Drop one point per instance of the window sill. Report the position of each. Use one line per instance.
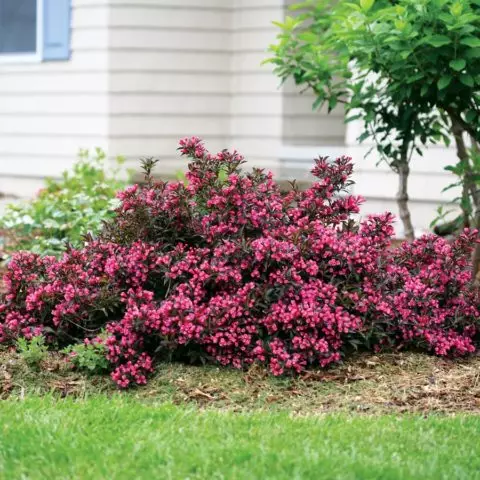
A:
(15, 58)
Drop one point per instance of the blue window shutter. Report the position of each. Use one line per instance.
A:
(56, 29)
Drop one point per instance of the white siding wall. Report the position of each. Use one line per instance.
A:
(168, 76)
(256, 100)
(193, 68)
(49, 110)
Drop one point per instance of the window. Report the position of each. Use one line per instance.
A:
(34, 30)
(20, 29)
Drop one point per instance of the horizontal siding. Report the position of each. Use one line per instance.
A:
(50, 104)
(31, 145)
(162, 39)
(86, 18)
(55, 124)
(87, 61)
(57, 82)
(248, 62)
(145, 73)
(249, 18)
(168, 19)
(184, 61)
(169, 104)
(320, 128)
(257, 103)
(168, 77)
(162, 125)
(257, 39)
(86, 39)
(423, 187)
(172, 82)
(259, 82)
(40, 165)
(218, 5)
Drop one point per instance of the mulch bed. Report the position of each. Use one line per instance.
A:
(367, 384)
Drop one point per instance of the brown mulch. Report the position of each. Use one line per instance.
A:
(367, 384)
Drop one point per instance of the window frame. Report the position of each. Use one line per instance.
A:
(30, 57)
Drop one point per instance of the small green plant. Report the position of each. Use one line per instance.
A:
(90, 357)
(65, 210)
(32, 351)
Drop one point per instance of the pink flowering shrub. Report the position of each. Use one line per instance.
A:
(427, 300)
(228, 268)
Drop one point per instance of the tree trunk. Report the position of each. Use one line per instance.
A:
(402, 201)
(469, 187)
(462, 155)
(476, 201)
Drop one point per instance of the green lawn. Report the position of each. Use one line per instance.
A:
(123, 438)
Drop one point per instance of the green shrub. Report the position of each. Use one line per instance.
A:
(32, 351)
(89, 356)
(66, 209)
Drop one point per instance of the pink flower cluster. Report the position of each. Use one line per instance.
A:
(228, 267)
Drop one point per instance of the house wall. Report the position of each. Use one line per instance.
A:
(193, 68)
(49, 110)
(168, 76)
(256, 107)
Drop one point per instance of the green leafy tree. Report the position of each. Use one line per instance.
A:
(408, 68)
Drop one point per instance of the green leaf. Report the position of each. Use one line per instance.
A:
(444, 82)
(473, 42)
(415, 77)
(467, 80)
(472, 53)
(291, 23)
(424, 89)
(456, 9)
(449, 187)
(309, 37)
(366, 4)
(332, 103)
(458, 65)
(318, 102)
(470, 116)
(363, 136)
(438, 40)
(299, 6)
(353, 118)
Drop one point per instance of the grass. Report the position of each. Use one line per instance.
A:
(206, 422)
(122, 438)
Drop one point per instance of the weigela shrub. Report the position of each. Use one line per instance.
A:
(426, 299)
(226, 267)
